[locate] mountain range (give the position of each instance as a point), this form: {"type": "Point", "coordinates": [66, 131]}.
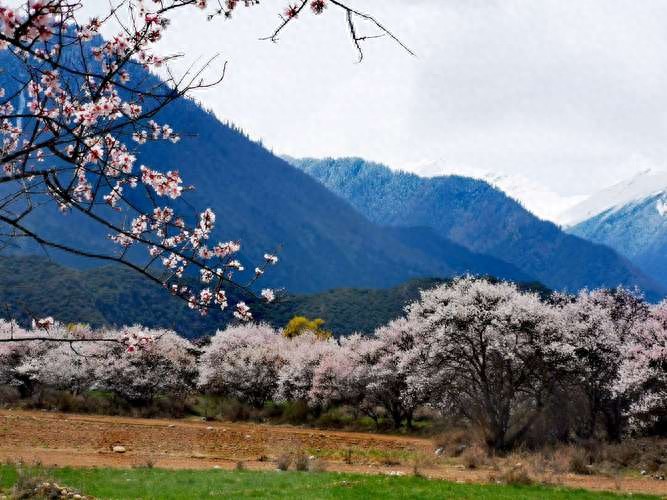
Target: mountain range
{"type": "Point", "coordinates": [474, 214]}
{"type": "Point", "coordinates": [347, 223]}
{"type": "Point", "coordinates": [535, 196]}
{"type": "Point", "coordinates": [266, 203]}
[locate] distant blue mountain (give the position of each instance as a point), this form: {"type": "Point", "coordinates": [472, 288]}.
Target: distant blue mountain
{"type": "Point", "coordinates": [479, 217]}
{"type": "Point", "coordinates": [630, 217]}
{"type": "Point", "coordinates": [635, 230]}
{"type": "Point", "coordinates": [265, 202]}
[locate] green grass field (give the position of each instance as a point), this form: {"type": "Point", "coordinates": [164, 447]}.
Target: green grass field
{"type": "Point", "coordinates": [164, 484]}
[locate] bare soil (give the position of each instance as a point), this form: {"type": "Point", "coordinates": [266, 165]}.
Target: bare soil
{"type": "Point", "coordinates": [58, 439]}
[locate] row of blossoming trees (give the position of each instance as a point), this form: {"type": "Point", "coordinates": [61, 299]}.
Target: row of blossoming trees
{"type": "Point", "coordinates": [487, 354]}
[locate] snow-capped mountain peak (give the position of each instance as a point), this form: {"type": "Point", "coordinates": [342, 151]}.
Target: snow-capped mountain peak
{"type": "Point", "coordinates": [645, 184]}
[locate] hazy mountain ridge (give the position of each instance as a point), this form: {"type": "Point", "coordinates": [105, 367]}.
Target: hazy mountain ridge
{"type": "Point", "coordinates": [480, 217]}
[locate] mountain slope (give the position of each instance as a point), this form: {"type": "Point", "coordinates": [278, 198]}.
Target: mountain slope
{"type": "Point", "coordinates": [538, 198]}
{"type": "Point", "coordinates": [265, 202]}
{"type": "Point", "coordinates": [630, 217]}
{"type": "Point", "coordinates": [474, 214]}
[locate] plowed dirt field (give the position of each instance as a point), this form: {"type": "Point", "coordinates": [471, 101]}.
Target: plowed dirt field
{"type": "Point", "coordinates": [57, 439]}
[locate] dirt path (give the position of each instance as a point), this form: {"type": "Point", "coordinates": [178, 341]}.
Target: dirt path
{"type": "Point", "coordinates": [57, 439]}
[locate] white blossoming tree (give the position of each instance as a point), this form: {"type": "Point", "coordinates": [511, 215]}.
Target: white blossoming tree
{"type": "Point", "coordinates": [643, 372]}
{"type": "Point", "coordinates": [63, 366]}
{"type": "Point", "coordinates": [488, 352]}
{"type": "Point", "coordinates": [302, 356]}
{"type": "Point", "coordinates": [167, 365]}
{"type": "Point", "coordinates": [243, 362]}
{"type": "Point", "coordinates": [344, 377]}
{"type": "Point", "coordinates": [600, 325]}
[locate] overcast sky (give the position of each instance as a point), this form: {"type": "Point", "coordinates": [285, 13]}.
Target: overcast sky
{"type": "Point", "coordinates": [569, 95]}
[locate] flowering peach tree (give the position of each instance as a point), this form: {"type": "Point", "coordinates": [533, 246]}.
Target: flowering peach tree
{"type": "Point", "coordinates": [243, 362]}
{"type": "Point", "coordinates": [600, 325]}
{"type": "Point", "coordinates": [487, 351]}
{"type": "Point", "coordinates": [642, 376]}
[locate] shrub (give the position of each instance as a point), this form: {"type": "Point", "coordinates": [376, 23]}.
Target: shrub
{"type": "Point", "coordinates": [317, 465]}
{"type": "Point", "coordinates": [334, 418]}
{"type": "Point", "coordinates": [148, 463]}
{"type": "Point", "coordinates": [454, 442]}
{"type": "Point", "coordinates": [31, 483]}
{"type": "Point", "coordinates": [653, 461]}
{"type": "Point", "coordinates": [234, 410]}
{"type": "Point", "coordinates": [283, 461]}
{"type": "Point", "coordinates": [624, 454]}
{"type": "Point", "coordinates": [295, 412]}
{"type": "Point", "coordinates": [420, 462]}
{"type": "Point", "coordinates": [299, 325]}
{"type": "Point", "coordinates": [474, 457]}
{"type": "Point", "coordinates": [300, 460]}
{"type": "Point", "coordinates": [389, 460]}
{"type": "Point", "coordinates": [517, 476]}
{"type": "Point", "coordinates": [9, 395]}
{"type": "Point", "coordinates": [579, 462]}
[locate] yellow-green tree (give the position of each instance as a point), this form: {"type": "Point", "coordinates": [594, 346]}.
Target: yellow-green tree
{"type": "Point", "coordinates": [298, 325]}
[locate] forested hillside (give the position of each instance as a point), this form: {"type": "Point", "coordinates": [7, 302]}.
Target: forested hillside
{"type": "Point", "coordinates": [33, 286]}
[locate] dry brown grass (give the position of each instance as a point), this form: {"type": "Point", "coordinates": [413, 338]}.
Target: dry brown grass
{"type": "Point", "coordinates": [517, 474]}
{"type": "Point", "coordinates": [474, 457]}
{"type": "Point", "coordinates": [551, 463]}
{"type": "Point", "coordinates": [625, 454]}
{"type": "Point", "coordinates": [420, 462]}
{"type": "Point", "coordinates": [293, 455]}
{"type": "Point", "coordinates": [389, 460]}
{"type": "Point", "coordinates": [317, 465]}
{"type": "Point", "coordinates": [283, 461]}
{"type": "Point", "coordinates": [300, 460]}
{"type": "Point", "coordinates": [455, 441]}
{"type": "Point", "coordinates": [32, 483]}
{"type": "Point", "coordinates": [579, 462]}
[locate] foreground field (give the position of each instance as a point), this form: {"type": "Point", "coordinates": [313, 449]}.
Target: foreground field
{"type": "Point", "coordinates": [66, 440]}
{"type": "Point", "coordinates": [163, 484]}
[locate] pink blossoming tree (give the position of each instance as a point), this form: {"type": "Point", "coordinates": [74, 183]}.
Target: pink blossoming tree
{"type": "Point", "coordinates": [243, 362]}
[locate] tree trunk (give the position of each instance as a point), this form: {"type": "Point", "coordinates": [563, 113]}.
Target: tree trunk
{"type": "Point", "coordinates": [614, 421]}
{"type": "Point", "coordinates": [397, 418]}
{"type": "Point", "coordinates": [409, 420]}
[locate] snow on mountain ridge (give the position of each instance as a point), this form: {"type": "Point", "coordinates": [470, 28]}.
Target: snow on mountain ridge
{"type": "Point", "coordinates": [535, 197]}
{"type": "Point", "coordinates": [645, 184]}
